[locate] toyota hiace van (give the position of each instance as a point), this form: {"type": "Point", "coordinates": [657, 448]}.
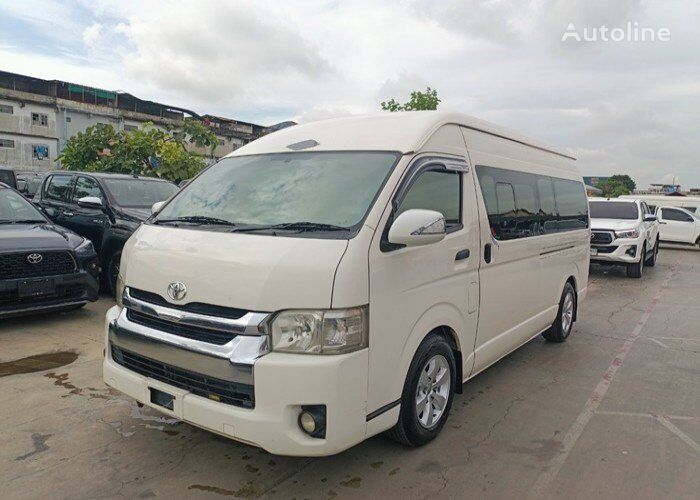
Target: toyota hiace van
{"type": "Point", "coordinates": [338, 279]}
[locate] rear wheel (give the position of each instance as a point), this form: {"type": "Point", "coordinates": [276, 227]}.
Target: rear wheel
{"type": "Point", "coordinates": [427, 394]}
{"type": "Point", "coordinates": [651, 259]}
{"type": "Point", "coordinates": [560, 330]}
{"type": "Point", "coordinates": [634, 270]}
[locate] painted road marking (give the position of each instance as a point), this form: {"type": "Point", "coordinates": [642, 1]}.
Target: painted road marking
{"type": "Point", "coordinates": [596, 398]}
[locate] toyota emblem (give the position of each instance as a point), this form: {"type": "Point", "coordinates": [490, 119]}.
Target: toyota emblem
{"type": "Point", "coordinates": [177, 290]}
{"type": "Point", "coordinates": [34, 258]}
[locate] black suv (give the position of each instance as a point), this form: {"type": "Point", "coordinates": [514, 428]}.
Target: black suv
{"type": "Point", "coordinates": [42, 267]}
{"type": "Point", "coordinates": [106, 208]}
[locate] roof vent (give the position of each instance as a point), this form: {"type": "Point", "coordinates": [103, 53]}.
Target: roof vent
{"type": "Point", "coordinates": [297, 146]}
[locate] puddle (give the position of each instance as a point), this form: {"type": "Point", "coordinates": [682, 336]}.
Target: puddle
{"type": "Point", "coordinates": [37, 363]}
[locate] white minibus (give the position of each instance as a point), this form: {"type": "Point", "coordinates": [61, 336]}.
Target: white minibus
{"type": "Point", "coordinates": [338, 279]}
{"type": "Point", "coordinates": [690, 203]}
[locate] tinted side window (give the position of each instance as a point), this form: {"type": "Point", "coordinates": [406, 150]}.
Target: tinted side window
{"type": "Point", "coordinates": [435, 190]}
{"type": "Point", "coordinates": [58, 187]}
{"type": "Point", "coordinates": [520, 204]}
{"type": "Point", "coordinates": [85, 186]}
{"type": "Point", "coordinates": [677, 215]}
{"type": "Point", "coordinates": [572, 204]}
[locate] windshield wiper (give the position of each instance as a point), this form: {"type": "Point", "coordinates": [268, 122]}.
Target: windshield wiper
{"type": "Point", "coordinates": [196, 219]}
{"type": "Point", "coordinates": [23, 221]}
{"type": "Point", "coordinates": [295, 226]}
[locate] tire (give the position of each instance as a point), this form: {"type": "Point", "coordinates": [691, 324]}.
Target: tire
{"type": "Point", "coordinates": [561, 328]}
{"type": "Point", "coordinates": [634, 270]}
{"type": "Point", "coordinates": [112, 271]}
{"type": "Point", "coordinates": [651, 261]}
{"type": "Point", "coordinates": [420, 423]}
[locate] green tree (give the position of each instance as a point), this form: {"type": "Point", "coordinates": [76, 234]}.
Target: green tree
{"type": "Point", "coordinates": [144, 151]}
{"type": "Point", "coordinates": [419, 101]}
{"type": "Point", "coordinates": [626, 180]}
{"type": "Point", "coordinates": [612, 188]}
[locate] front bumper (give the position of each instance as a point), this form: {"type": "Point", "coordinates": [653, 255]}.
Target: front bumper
{"type": "Point", "coordinates": [282, 384]}
{"type": "Point", "coordinates": [71, 290]}
{"type": "Point", "coordinates": [620, 251]}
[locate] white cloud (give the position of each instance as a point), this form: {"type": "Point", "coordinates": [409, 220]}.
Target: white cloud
{"type": "Point", "coordinates": [622, 108]}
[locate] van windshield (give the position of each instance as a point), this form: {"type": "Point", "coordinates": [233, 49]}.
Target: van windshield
{"type": "Point", "coordinates": [626, 210]}
{"type": "Point", "coordinates": [298, 192]}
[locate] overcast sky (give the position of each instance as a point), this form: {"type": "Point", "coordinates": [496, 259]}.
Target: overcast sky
{"type": "Point", "coordinates": [619, 107]}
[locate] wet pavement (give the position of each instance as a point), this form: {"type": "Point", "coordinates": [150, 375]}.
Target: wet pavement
{"type": "Point", "coordinates": [613, 412]}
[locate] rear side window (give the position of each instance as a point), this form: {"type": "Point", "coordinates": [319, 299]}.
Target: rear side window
{"type": "Point", "coordinates": [572, 204]}
{"type": "Point", "coordinates": [435, 190]}
{"type": "Point", "coordinates": [520, 204]}
{"type": "Point", "coordinates": [58, 187]}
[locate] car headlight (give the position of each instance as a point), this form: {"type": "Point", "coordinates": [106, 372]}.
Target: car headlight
{"type": "Point", "coordinates": [630, 233]}
{"type": "Point", "coordinates": [85, 248]}
{"type": "Point", "coordinates": [119, 290]}
{"type": "Point", "coordinates": [333, 331]}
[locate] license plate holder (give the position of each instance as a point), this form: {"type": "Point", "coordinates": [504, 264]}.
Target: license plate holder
{"type": "Point", "coordinates": [36, 288]}
{"type": "Point", "coordinates": [594, 251]}
{"type": "Point", "coordinates": [161, 398]}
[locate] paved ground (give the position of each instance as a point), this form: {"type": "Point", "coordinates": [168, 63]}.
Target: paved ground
{"type": "Point", "coordinates": [614, 412]}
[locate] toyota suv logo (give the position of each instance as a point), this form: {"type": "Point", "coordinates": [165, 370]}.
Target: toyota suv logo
{"type": "Point", "coordinates": [34, 258]}
{"type": "Point", "coordinates": [177, 290]}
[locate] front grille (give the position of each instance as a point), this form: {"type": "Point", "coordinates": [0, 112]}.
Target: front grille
{"type": "Point", "coordinates": [222, 391]}
{"type": "Point", "coordinates": [63, 293]}
{"type": "Point", "coordinates": [190, 332]}
{"type": "Point", "coordinates": [194, 307]}
{"type": "Point", "coordinates": [601, 238]}
{"type": "Point", "coordinates": [16, 265]}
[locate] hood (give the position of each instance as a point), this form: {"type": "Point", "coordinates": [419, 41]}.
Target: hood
{"type": "Point", "coordinates": [614, 224]}
{"type": "Point", "coordinates": [247, 271]}
{"type": "Point", "coordinates": [136, 213]}
{"type": "Point", "coordinates": [21, 237]}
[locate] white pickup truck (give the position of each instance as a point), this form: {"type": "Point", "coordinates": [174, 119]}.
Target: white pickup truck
{"type": "Point", "coordinates": [624, 232]}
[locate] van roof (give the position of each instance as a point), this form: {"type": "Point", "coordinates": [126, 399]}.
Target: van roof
{"type": "Point", "coordinates": [402, 131]}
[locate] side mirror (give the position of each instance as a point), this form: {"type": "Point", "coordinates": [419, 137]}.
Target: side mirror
{"type": "Point", "coordinates": [417, 227]}
{"type": "Point", "coordinates": [650, 218]}
{"type": "Point", "coordinates": [155, 208]}
{"type": "Point", "coordinates": [90, 202]}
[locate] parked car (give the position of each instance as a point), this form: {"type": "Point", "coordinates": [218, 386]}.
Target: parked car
{"type": "Point", "coordinates": [678, 225]}
{"type": "Point", "coordinates": [43, 267]}
{"type": "Point", "coordinates": [8, 177]}
{"type": "Point", "coordinates": [624, 232]}
{"type": "Point", "coordinates": [322, 284]}
{"type": "Point", "coordinates": [28, 183]}
{"type": "Point", "coordinates": [690, 203]}
{"type": "Point", "coordinates": [106, 208]}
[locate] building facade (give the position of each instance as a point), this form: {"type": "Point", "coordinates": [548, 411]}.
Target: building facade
{"type": "Point", "coordinates": [38, 117]}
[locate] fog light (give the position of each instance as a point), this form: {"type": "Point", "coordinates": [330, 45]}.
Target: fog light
{"type": "Point", "coordinates": [312, 420]}
{"type": "Point", "coordinates": [632, 250]}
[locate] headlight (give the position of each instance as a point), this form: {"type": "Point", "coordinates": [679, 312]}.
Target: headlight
{"type": "Point", "coordinates": [630, 233]}
{"type": "Point", "coordinates": [85, 248]}
{"type": "Point", "coordinates": [119, 290]}
{"type": "Point", "coordinates": [334, 331]}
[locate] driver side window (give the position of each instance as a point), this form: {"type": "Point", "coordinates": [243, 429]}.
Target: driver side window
{"type": "Point", "coordinates": [438, 190]}
{"type": "Point", "coordinates": [85, 186]}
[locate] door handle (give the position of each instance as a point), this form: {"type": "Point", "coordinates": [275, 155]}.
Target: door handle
{"type": "Point", "coordinates": [68, 214]}
{"type": "Point", "coordinates": [662, 223]}
{"type": "Point", "coordinates": [487, 253]}
{"type": "Point", "coordinates": [462, 254]}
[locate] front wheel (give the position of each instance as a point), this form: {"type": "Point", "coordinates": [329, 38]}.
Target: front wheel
{"type": "Point", "coordinates": [112, 272]}
{"type": "Point", "coordinates": [651, 259]}
{"type": "Point", "coordinates": [634, 270]}
{"type": "Point", "coordinates": [560, 330]}
{"type": "Point", "coordinates": [427, 394]}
